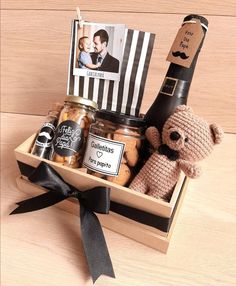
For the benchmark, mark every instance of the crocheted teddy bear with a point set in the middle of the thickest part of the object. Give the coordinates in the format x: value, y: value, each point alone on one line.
x: 186, y: 139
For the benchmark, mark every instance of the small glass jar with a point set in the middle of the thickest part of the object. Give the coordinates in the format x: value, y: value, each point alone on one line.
x: 72, y: 131
x: 44, y: 138
x: 113, y: 146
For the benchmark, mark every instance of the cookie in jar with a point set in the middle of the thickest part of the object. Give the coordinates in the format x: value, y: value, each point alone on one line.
x: 72, y: 131
x: 113, y: 146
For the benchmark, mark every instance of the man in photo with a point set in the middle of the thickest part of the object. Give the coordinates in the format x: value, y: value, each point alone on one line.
x: 84, y: 59
x: 101, y: 55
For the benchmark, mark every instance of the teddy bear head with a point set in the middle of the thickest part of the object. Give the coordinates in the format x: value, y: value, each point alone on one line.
x: 190, y: 135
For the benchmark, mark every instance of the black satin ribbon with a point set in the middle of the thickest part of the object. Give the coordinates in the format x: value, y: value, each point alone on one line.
x: 141, y: 216
x: 93, y: 200
x: 171, y: 154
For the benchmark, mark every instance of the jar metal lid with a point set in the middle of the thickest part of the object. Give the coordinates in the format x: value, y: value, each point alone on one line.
x: 81, y: 100
x: 121, y: 118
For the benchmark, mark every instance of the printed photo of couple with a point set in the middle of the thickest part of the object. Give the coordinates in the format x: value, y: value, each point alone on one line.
x: 99, y: 49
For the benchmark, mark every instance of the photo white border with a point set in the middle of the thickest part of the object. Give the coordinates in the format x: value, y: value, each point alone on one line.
x: 96, y: 73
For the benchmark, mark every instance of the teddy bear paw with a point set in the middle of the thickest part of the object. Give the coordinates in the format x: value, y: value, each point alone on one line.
x: 194, y: 172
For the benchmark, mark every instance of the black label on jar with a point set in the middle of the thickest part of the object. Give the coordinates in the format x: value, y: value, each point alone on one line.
x: 45, y: 136
x: 68, y: 139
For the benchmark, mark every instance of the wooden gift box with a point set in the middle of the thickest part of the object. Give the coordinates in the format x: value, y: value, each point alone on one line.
x: 153, y: 212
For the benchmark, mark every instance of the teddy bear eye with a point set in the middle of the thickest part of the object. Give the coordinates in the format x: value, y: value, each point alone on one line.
x: 186, y: 139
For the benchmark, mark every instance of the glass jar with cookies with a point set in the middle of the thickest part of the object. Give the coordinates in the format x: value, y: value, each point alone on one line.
x: 113, y: 146
x: 72, y: 131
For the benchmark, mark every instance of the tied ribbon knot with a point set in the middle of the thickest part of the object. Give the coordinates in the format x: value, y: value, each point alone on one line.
x: 93, y: 200
x: 171, y: 154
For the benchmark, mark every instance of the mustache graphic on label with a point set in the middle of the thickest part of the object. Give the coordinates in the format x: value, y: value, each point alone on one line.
x: 45, y: 134
x: 181, y: 55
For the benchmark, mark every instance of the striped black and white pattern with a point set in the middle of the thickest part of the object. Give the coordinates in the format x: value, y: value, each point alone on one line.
x: 124, y: 96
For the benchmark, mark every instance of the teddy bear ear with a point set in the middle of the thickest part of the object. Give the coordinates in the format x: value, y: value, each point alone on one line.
x: 217, y: 133
x: 183, y: 108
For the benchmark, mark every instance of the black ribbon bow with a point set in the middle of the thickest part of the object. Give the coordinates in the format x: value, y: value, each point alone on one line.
x: 93, y: 200
x: 171, y: 154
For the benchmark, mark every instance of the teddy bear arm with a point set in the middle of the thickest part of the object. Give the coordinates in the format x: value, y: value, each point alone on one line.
x: 191, y: 170
x: 153, y: 136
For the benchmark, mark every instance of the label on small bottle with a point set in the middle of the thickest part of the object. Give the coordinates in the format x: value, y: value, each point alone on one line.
x: 169, y: 86
x: 45, y: 136
x: 173, y: 86
x: 103, y: 155
x: 186, y: 43
x: 68, y: 138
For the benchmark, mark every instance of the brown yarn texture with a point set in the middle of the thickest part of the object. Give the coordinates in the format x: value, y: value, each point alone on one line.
x: 196, y: 139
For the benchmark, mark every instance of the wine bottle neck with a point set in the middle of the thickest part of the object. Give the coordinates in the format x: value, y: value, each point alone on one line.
x: 175, y: 88
x: 182, y: 73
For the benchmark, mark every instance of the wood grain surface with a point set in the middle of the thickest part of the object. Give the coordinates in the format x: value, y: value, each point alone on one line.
x: 35, y: 52
x: 44, y: 247
x: 217, y: 7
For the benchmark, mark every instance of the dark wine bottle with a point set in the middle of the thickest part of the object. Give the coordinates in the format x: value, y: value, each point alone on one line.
x: 175, y: 88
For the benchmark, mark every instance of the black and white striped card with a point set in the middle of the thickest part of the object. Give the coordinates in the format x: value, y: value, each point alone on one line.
x: 124, y: 96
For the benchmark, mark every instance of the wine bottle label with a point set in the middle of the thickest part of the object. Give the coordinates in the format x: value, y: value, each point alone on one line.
x: 186, y: 43
x: 45, y: 136
x: 175, y: 86
x: 103, y: 155
x: 68, y: 138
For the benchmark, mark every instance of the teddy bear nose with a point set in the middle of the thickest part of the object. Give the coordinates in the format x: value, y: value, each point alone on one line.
x: 174, y: 136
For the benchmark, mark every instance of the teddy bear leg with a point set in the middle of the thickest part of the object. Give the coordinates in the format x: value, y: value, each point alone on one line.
x: 139, y: 185
x: 158, y: 193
